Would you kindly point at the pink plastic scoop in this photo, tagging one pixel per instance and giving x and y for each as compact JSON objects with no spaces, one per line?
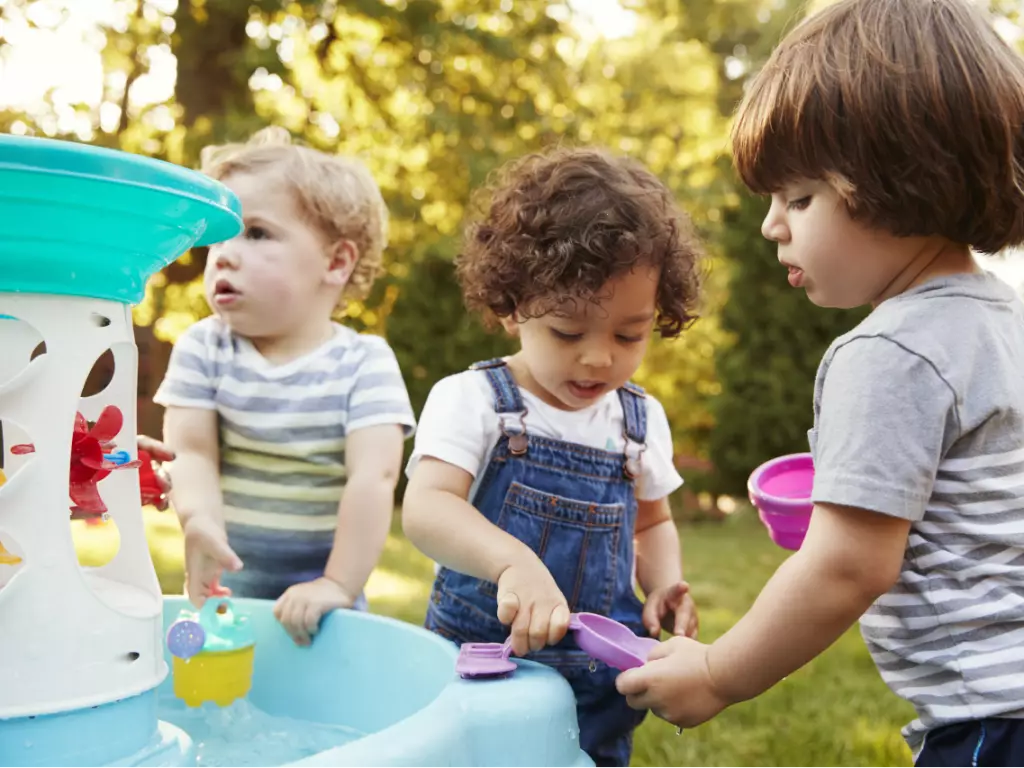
{"x":599,"y":637}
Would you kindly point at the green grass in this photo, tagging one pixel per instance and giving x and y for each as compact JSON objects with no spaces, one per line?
{"x":835,"y":711}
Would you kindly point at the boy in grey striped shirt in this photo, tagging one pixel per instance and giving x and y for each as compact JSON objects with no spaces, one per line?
{"x":890,"y":136}
{"x":288,"y":427}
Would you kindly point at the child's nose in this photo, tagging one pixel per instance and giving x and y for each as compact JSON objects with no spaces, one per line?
{"x":774,"y":226}
{"x":596,"y":355}
{"x":225,"y":255}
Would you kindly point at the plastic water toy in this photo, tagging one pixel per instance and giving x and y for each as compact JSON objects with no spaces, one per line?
{"x":89,"y":463}
{"x":81,"y":230}
{"x":149,"y":487}
{"x":213,"y":654}
{"x":8,"y":558}
{"x":781,"y":489}
{"x":601,"y":638}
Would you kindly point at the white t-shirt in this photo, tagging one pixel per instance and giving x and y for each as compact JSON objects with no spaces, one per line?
{"x":459,"y":426}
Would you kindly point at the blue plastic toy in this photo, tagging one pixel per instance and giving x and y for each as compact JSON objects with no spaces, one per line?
{"x":85,"y":652}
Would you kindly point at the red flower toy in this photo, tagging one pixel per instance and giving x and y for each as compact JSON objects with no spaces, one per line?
{"x":89,"y":464}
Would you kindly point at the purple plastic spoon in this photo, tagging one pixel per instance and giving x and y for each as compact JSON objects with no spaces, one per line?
{"x":485,"y":659}
{"x":599,"y":637}
{"x":609,"y":641}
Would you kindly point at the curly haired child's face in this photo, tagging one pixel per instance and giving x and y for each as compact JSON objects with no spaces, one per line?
{"x":581,"y":350}
{"x":278,"y":276}
{"x":838,"y":261}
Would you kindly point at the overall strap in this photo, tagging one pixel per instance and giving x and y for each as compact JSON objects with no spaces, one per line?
{"x":634,"y":412}
{"x":506,"y":392}
{"x":634,"y":427}
{"x":508,"y":402}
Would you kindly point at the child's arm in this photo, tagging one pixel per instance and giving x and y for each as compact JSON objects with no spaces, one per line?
{"x":442,"y":524}
{"x":192,"y":434}
{"x":659,"y":569}
{"x":849,"y":558}
{"x":886,"y":418}
{"x":373,"y":459}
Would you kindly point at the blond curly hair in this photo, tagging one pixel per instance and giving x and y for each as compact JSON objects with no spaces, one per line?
{"x":337,"y":194}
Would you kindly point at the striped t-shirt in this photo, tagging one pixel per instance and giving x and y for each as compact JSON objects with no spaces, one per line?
{"x":282,"y":439}
{"x":919,"y":414}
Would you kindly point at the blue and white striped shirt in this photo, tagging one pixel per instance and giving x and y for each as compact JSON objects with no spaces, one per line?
{"x":282,"y":438}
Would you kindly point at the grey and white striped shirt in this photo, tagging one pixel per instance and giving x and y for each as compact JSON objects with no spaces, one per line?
{"x":919,"y":413}
{"x":282,"y":438}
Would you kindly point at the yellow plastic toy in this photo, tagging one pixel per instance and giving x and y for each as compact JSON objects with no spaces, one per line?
{"x":8,"y":558}
{"x":213,"y":653}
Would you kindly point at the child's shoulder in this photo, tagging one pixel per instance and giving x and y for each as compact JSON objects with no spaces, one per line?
{"x":208,"y":338}
{"x":363,"y":345}
{"x":470,"y":385}
{"x":942,"y":322}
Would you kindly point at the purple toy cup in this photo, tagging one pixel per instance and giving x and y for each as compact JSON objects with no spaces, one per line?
{"x":781,"y":491}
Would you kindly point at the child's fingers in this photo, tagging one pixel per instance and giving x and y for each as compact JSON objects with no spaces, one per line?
{"x":633,"y":684}
{"x":654,"y":610}
{"x":225,"y":557}
{"x":508,"y":608}
{"x":540,"y":625}
{"x":311,"y":619}
{"x":684,"y":623}
{"x":559,"y":624}
{"x":677,"y":594}
{"x":521,"y":632}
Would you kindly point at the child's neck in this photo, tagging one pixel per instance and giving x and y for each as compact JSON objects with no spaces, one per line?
{"x":284,"y":348}
{"x":934,"y":259}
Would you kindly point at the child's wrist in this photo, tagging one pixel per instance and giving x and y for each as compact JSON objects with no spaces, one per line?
{"x":718,"y":677}
{"x":340,"y":584}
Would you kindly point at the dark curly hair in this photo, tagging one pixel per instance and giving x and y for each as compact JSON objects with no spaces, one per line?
{"x":561,"y":223}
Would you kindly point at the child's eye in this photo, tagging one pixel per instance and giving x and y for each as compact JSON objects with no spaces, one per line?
{"x":629,"y":339}
{"x":799,"y":204}
{"x":566,"y":336}
{"x":257,"y":233}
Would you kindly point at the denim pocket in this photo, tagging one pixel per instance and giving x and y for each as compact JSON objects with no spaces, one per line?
{"x":578,"y":541}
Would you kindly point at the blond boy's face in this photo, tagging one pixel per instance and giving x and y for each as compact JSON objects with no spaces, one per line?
{"x":266,"y":282}
{"x":582,"y":350}
{"x":838,"y":261}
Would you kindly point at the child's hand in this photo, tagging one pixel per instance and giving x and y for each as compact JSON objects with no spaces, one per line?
{"x":531,"y":602}
{"x":675,"y":684}
{"x":673,"y":609}
{"x":300,"y":608}
{"x":207,"y":554}
{"x":160,"y":453}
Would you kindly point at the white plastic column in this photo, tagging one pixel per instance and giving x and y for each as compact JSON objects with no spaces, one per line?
{"x":80,"y":636}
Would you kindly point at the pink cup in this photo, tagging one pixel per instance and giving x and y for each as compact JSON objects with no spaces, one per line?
{"x":781,"y":491}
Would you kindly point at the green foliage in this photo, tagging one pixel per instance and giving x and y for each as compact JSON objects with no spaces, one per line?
{"x":431,"y":332}
{"x":767,"y":375}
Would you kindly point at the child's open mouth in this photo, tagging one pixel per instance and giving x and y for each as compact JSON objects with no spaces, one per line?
{"x":586,"y":390}
{"x":225,"y":294}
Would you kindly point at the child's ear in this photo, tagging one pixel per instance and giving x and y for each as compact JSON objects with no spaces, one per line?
{"x":341,"y":260}
{"x":510,"y":324}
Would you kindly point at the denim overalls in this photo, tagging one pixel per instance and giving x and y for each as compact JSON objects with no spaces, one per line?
{"x":575,"y":507}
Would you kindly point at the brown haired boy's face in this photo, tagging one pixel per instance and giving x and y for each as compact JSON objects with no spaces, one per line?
{"x":838,"y":261}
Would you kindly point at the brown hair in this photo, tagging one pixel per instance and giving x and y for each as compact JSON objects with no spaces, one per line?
{"x":560,"y":224}
{"x":337,"y":195}
{"x":912,"y":110}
